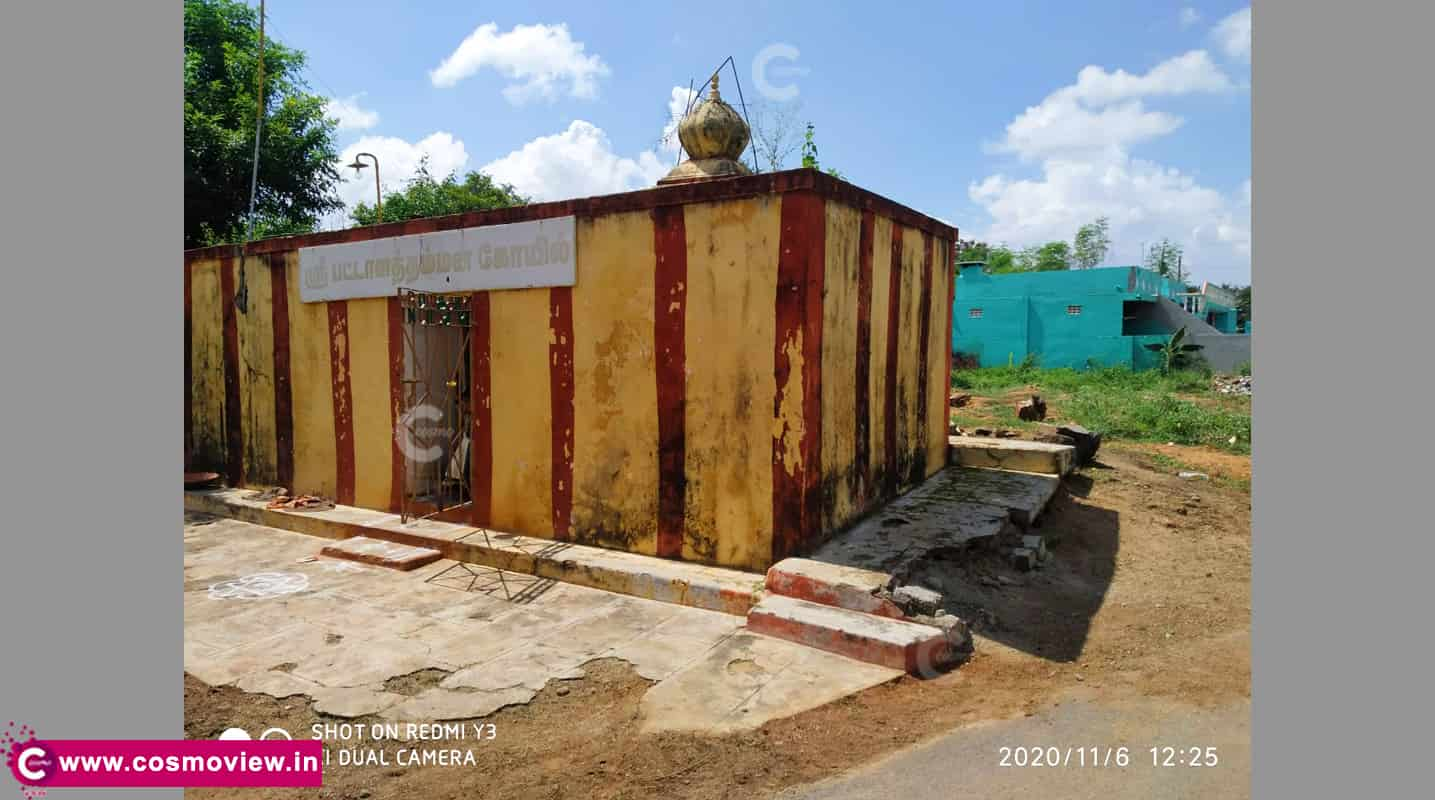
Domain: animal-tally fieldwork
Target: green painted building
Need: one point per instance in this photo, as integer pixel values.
(1079, 318)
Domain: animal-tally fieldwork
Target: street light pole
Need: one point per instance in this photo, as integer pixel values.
(378, 193)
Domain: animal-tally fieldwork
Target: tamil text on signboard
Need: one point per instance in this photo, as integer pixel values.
(512, 256)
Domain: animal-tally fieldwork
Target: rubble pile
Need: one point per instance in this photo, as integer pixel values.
(1232, 384)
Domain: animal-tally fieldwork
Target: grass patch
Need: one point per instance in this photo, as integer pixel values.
(1142, 406)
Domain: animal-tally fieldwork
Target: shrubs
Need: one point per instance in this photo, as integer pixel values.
(1141, 406)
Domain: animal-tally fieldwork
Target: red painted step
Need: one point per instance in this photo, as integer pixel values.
(851, 588)
(381, 553)
(909, 646)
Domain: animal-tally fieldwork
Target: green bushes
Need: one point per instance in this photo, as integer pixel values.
(1139, 406)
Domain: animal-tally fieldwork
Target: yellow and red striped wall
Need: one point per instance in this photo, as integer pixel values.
(744, 367)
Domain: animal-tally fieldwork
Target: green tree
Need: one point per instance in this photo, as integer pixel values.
(1164, 257)
(1052, 256)
(297, 178)
(1091, 244)
(1000, 260)
(423, 196)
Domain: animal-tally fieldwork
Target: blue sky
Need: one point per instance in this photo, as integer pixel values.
(1016, 122)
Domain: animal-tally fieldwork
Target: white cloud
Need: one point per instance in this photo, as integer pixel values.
(1103, 111)
(1233, 34)
(1081, 136)
(575, 163)
(351, 116)
(677, 106)
(541, 61)
(398, 161)
(1189, 16)
(581, 161)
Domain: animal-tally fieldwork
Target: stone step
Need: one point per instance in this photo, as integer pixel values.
(697, 585)
(380, 553)
(852, 588)
(1024, 495)
(1010, 454)
(917, 649)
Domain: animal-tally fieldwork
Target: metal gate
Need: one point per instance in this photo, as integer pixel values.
(435, 420)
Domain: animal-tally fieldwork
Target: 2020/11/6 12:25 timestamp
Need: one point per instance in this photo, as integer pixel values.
(1184, 756)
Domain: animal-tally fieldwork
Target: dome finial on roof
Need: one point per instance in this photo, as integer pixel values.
(714, 137)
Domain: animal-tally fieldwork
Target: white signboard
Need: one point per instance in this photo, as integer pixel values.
(514, 256)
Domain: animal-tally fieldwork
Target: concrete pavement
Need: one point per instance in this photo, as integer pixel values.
(450, 640)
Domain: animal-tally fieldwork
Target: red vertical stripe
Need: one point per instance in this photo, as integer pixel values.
(924, 400)
(283, 388)
(188, 367)
(481, 393)
(670, 276)
(889, 399)
(560, 387)
(233, 419)
(339, 347)
(862, 447)
(398, 473)
(796, 490)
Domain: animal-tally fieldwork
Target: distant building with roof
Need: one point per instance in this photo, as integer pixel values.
(1079, 318)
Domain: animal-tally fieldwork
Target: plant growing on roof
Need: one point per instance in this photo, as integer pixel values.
(809, 154)
(1175, 352)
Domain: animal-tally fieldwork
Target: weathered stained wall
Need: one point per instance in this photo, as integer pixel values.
(743, 368)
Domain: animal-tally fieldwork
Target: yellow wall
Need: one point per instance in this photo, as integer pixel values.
(315, 462)
(522, 412)
(207, 365)
(369, 390)
(908, 354)
(877, 377)
(840, 483)
(731, 327)
(255, 328)
(615, 437)
(730, 419)
(938, 340)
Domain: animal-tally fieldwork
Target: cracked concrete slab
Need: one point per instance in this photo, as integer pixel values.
(353, 701)
(339, 636)
(531, 667)
(747, 680)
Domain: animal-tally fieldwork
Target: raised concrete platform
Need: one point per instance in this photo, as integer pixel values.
(402, 557)
(1010, 454)
(954, 509)
(1024, 495)
(696, 585)
(908, 646)
(852, 588)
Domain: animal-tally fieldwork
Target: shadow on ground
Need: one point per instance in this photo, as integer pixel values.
(1046, 612)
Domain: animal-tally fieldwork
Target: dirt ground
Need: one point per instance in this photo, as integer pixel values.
(1147, 595)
